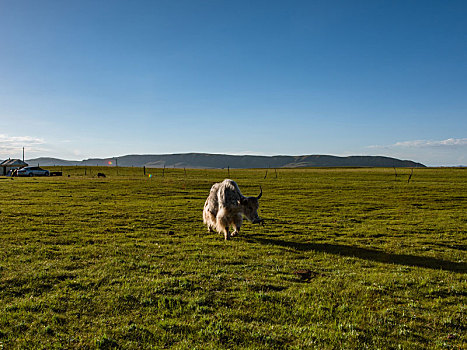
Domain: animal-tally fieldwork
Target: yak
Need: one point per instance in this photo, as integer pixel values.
(226, 206)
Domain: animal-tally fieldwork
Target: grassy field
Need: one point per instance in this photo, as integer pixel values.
(348, 259)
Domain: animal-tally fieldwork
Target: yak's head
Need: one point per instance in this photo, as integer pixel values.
(250, 208)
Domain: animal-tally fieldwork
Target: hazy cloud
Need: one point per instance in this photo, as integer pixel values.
(451, 142)
(12, 146)
(430, 152)
(429, 143)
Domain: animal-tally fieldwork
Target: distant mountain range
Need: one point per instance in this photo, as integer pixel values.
(219, 161)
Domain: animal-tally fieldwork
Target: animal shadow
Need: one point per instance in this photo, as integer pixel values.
(365, 254)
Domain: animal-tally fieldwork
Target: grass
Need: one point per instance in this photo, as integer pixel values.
(348, 259)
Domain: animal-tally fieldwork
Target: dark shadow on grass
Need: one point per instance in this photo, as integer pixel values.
(452, 246)
(365, 253)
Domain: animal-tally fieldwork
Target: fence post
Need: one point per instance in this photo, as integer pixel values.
(410, 176)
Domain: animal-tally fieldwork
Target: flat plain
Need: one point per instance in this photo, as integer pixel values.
(348, 259)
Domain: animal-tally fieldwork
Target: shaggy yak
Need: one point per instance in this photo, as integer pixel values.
(226, 206)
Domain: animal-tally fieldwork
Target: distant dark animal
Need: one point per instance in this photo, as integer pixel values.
(100, 175)
(226, 206)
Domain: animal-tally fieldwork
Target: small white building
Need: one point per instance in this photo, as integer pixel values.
(11, 164)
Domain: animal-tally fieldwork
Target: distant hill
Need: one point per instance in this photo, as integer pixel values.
(44, 161)
(218, 161)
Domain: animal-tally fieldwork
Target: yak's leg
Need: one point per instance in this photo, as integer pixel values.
(211, 225)
(237, 223)
(226, 234)
(236, 231)
(209, 219)
(223, 223)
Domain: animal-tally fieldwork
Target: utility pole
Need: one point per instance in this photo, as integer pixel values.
(23, 154)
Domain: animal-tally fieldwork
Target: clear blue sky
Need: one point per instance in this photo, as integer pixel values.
(82, 79)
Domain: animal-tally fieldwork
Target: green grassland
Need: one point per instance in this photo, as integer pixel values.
(347, 259)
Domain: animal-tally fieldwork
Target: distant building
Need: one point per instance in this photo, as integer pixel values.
(11, 164)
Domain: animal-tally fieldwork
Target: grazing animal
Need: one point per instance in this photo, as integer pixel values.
(100, 175)
(226, 206)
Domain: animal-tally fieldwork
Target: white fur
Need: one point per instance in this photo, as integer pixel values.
(225, 207)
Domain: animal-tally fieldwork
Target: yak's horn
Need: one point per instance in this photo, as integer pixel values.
(261, 193)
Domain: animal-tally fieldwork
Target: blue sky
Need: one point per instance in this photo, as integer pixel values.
(81, 79)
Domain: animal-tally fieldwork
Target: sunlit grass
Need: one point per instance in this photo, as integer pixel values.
(125, 262)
